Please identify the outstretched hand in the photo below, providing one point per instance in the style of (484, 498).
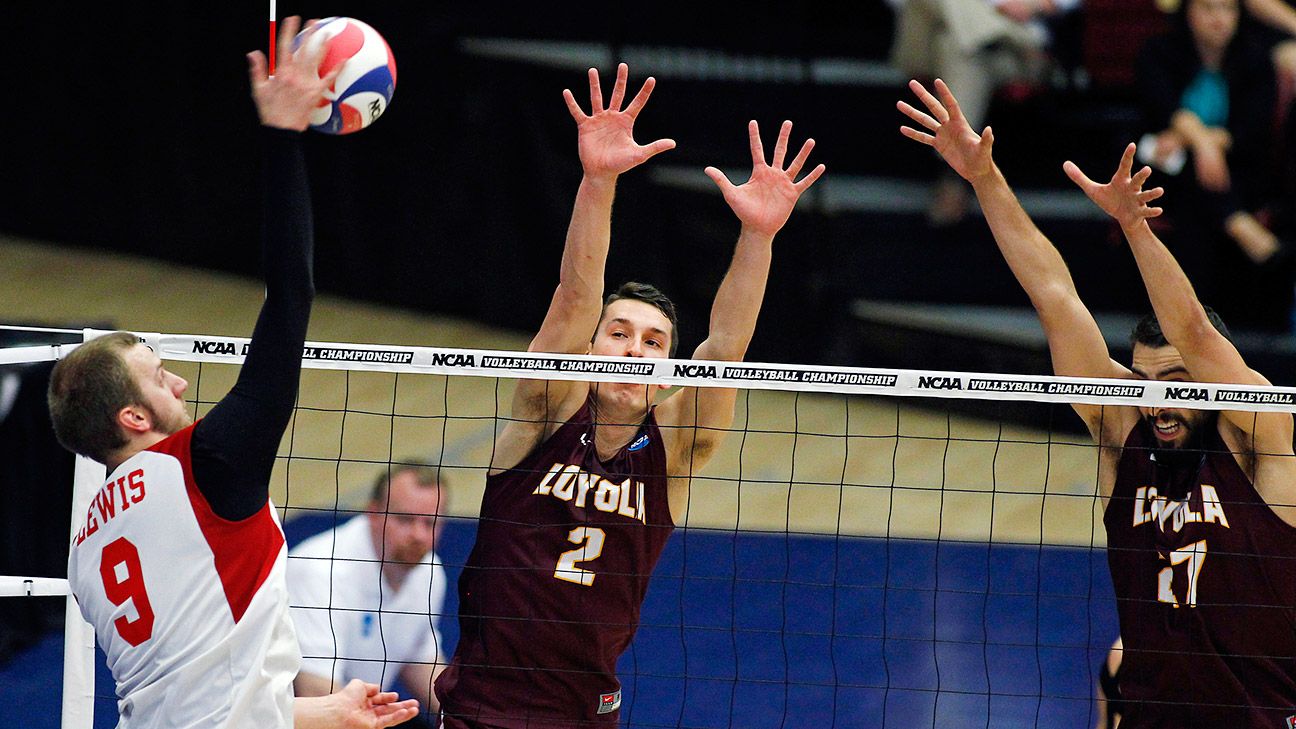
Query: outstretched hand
(766, 200)
(1123, 197)
(363, 706)
(967, 152)
(605, 136)
(286, 99)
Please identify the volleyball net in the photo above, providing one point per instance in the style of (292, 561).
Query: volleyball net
(868, 547)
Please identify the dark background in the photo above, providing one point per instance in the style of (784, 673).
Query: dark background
(129, 128)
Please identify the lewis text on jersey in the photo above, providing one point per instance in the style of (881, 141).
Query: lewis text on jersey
(114, 498)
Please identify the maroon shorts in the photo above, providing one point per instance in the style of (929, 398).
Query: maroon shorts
(462, 722)
(457, 722)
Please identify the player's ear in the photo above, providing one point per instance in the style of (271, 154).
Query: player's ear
(135, 419)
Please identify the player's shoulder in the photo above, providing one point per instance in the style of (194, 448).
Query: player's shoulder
(1115, 427)
(527, 436)
(179, 444)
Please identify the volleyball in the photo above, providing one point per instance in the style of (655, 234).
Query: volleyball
(364, 88)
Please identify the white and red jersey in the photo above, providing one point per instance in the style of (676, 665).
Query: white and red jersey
(191, 609)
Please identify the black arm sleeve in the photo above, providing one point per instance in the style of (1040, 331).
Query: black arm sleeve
(234, 447)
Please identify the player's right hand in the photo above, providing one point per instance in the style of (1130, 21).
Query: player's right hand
(605, 136)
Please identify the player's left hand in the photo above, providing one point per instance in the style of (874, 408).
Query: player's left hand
(969, 154)
(605, 136)
(765, 201)
(1123, 197)
(364, 706)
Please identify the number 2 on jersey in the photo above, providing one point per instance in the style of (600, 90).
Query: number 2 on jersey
(123, 579)
(1195, 555)
(590, 540)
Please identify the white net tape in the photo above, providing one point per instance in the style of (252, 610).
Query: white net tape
(743, 375)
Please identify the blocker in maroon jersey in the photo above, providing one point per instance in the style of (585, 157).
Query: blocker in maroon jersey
(551, 593)
(588, 479)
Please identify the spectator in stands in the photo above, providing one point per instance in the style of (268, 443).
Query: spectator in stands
(1208, 90)
(366, 596)
(1279, 19)
(1277, 30)
(975, 46)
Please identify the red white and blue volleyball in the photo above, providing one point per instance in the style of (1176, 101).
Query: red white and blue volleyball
(364, 88)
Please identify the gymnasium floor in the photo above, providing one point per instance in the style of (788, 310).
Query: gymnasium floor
(846, 562)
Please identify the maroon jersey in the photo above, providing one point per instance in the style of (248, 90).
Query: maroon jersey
(1205, 578)
(551, 593)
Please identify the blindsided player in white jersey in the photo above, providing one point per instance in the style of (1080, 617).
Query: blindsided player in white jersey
(179, 563)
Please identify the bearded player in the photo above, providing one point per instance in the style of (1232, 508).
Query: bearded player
(588, 480)
(1200, 506)
(179, 564)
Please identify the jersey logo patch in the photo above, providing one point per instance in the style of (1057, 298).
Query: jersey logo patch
(584, 438)
(609, 703)
(639, 443)
(1291, 722)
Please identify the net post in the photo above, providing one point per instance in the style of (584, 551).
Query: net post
(78, 669)
(78, 635)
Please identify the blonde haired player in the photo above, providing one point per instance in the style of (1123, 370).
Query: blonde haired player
(179, 563)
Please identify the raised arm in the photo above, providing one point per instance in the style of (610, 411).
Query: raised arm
(763, 204)
(1208, 354)
(605, 141)
(234, 446)
(1075, 342)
